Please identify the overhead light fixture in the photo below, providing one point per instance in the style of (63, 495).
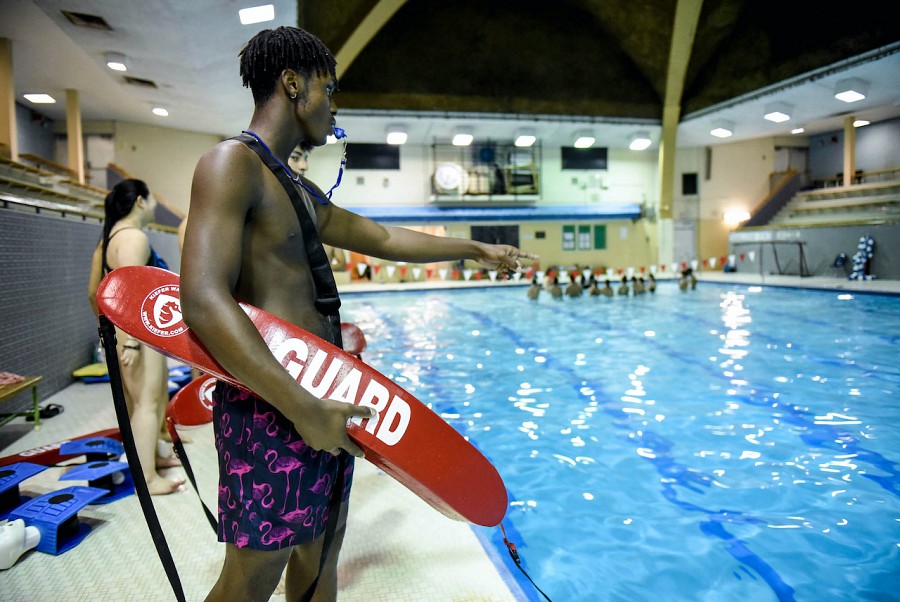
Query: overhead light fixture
(722, 129)
(257, 14)
(39, 99)
(396, 134)
(160, 111)
(584, 140)
(851, 90)
(116, 61)
(640, 141)
(860, 123)
(463, 136)
(797, 131)
(778, 112)
(525, 137)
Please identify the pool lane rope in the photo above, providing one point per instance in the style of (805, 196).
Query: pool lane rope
(864, 253)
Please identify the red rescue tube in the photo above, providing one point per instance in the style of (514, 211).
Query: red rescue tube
(406, 439)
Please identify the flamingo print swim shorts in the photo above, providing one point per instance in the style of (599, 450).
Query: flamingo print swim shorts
(274, 490)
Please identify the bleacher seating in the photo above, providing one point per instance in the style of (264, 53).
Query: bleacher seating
(36, 183)
(866, 203)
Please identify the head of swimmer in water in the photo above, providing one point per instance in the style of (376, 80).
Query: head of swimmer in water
(293, 64)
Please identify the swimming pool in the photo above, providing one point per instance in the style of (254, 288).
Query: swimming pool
(727, 443)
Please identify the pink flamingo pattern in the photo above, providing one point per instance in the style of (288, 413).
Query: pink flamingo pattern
(262, 466)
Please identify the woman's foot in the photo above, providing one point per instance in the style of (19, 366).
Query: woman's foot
(165, 455)
(161, 486)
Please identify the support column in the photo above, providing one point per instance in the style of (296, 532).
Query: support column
(73, 133)
(9, 140)
(849, 150)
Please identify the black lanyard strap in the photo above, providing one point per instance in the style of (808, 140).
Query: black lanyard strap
(327, 300)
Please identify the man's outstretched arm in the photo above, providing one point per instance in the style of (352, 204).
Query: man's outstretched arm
(354, 232)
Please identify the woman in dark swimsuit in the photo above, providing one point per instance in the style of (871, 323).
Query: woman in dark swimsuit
(129, 207)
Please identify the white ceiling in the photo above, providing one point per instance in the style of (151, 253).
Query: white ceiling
(189, 48)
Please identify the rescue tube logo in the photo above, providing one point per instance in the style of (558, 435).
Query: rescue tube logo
(161, 312)
(206, 393)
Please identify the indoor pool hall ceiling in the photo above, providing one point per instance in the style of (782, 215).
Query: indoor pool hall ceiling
(555, 66)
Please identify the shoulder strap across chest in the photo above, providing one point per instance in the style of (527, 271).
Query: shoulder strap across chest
(328, 301)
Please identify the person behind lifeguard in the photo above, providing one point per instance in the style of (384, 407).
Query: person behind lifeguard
(128, 209)
(623, 288)
(245, 243)
(574, 288)
(299, 162)
(534, 290)
(555, 290)
(651, 285)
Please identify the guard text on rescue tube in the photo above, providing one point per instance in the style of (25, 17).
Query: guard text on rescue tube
(345, 385)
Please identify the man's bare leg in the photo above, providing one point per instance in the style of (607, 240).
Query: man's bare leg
(304, 564)
(249, 575)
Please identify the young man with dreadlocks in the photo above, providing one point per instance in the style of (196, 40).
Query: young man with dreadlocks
(255, 235)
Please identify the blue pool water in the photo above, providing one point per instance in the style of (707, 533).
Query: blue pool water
(726, 443)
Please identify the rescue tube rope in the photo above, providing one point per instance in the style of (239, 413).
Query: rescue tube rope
(514, 554)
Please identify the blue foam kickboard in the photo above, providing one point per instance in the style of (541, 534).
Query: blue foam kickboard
(96, 448)
(55, 515)
(102, 475)
(10, 477)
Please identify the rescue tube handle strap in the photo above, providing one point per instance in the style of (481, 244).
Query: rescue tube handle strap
(108, 336)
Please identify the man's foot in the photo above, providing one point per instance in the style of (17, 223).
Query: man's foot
(162, 486)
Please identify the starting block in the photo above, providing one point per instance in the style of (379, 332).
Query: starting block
(113, 477)
(55, 515)
(10, 477)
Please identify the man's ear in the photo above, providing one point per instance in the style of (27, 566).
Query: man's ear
(292, 82)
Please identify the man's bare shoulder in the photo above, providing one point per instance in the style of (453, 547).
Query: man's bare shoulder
(228, 154)
(228, 172)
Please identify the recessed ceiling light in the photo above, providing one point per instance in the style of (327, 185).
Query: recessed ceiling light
(39, 99)
(257, 14)
(797, 131)
(778, 112)
(396, 135)
(851, 90)
(463, 136)
(525, 138)
(722, 129)
(584, 140)
(160, 111)
(116, 61)
(860, 123)
(640, 141)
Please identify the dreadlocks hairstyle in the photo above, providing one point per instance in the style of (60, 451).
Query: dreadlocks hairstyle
(271, 51)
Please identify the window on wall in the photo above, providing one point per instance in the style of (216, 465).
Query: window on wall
(584, 237)
(688, 183)
(568, 238)
(599, 237)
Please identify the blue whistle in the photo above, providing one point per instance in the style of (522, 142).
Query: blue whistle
(339, 132)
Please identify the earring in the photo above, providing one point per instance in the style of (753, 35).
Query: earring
(293, 96)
